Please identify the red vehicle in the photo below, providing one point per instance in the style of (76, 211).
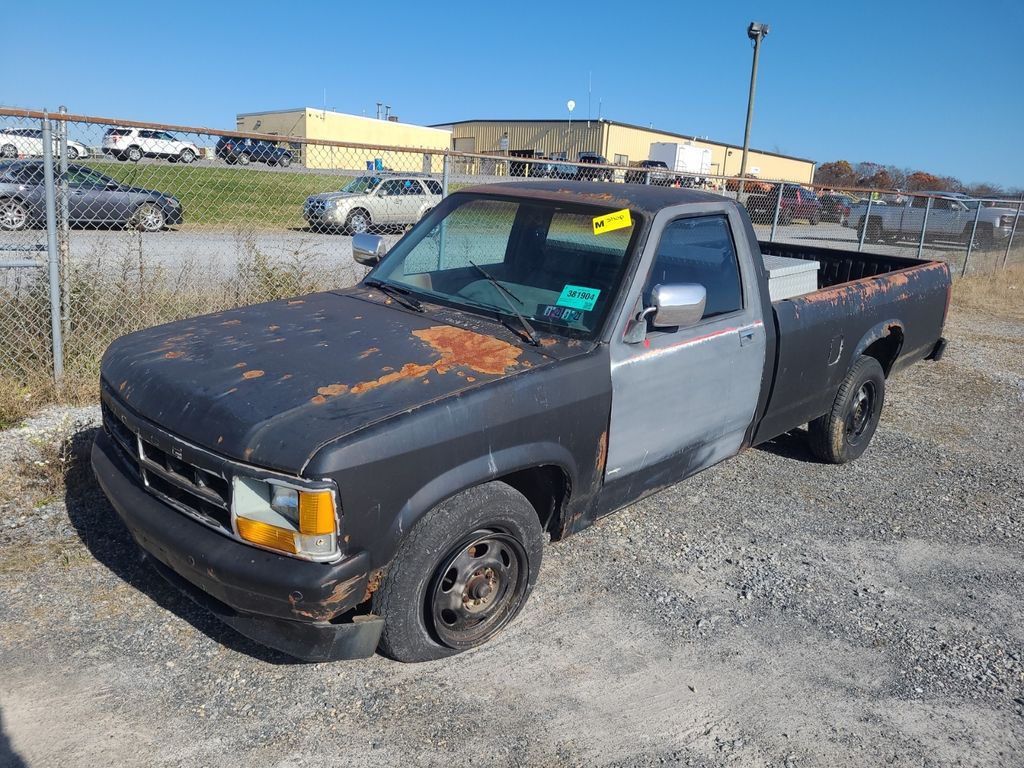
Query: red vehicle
(797, 203)
(836, 207)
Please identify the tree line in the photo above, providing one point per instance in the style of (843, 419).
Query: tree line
(841, 173)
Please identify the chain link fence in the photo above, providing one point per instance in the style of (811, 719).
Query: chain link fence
(153, 223)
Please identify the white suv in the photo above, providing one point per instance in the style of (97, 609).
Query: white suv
(373, 203)
(136, 143)
(28, 142)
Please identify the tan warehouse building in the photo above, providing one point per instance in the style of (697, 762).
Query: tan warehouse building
(325, 125)
(621, 143)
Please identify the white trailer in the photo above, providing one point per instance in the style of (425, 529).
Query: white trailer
(682, 158)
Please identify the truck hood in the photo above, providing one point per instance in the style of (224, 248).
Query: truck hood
(270, 384)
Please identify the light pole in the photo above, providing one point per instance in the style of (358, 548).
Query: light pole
(570, 105)
(756, 32)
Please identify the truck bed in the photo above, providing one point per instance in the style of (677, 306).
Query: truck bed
(888, 306)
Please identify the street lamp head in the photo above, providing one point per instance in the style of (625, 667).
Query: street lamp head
(757, 30)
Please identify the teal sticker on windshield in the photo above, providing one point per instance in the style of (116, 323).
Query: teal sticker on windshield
(578, 297)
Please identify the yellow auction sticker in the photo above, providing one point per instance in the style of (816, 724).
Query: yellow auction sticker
(612, 221)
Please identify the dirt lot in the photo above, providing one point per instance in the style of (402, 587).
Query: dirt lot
(769, 612)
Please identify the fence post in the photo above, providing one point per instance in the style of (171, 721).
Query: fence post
(924, 226)
(970, 243)
(864, 226)
(51, 251)
(1013, 229)
(445, 174)
(64, 223)
(778, 206)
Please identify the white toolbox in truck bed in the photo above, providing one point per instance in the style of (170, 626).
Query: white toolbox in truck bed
(790, 277)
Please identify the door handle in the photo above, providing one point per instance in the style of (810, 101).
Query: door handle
(746, 336)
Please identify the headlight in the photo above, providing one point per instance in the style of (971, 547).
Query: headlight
(173, 202)
(330, 203)
(286, 518)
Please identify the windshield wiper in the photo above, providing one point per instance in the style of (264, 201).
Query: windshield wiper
(505, 293)
(400, 295)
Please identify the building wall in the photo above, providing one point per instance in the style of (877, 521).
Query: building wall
(317, 124)
(546, 136)
(614, 141)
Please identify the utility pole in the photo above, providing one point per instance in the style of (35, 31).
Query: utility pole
(756, 32)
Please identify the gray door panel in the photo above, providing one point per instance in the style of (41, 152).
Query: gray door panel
(685, 396)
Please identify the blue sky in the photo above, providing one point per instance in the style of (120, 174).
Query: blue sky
(926, 85)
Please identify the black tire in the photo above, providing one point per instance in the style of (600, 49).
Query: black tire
(814, 219)
(187, 156)
(72, 153)
(284, 161)
(874, 230)
(487, 538)
(843, 434)
(230, 159)
(13, 215)
(243, 159)
(134, 154)
(984, 237)
(358, 221)
(8, 151)
(785, 218)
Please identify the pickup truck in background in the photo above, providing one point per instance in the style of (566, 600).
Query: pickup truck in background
(950, 218)
(378, 467)
(797, 203)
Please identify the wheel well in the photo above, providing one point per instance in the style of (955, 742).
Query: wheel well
(546, 488)
(886, 349)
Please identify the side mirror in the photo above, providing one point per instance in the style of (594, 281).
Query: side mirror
(677, 305)
(112, 185)
(368, 249)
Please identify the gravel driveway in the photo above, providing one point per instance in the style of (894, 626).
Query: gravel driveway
(771, 611)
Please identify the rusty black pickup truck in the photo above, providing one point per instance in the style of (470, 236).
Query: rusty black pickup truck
(378, 467)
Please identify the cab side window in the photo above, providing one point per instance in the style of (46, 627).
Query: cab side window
(700, 250)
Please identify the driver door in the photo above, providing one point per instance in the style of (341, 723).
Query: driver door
(390, 202)
(683, 398)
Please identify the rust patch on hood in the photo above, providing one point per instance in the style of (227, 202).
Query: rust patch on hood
(252, 374)
(333, 390)
(367, 353)
(174, 355)
(465, 349)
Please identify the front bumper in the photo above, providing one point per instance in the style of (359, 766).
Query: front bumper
(325, 216)
(295, 606)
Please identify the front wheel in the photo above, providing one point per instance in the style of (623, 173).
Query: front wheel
(284, 161)
(148, 217)
(463, 573)
(358, 222)
(8, 151)
(187, 156)
(72, 153)
(243, 159)
(13, 215)
(843, 434)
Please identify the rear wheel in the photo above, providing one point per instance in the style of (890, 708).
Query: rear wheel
(843, 434)
(814, 218)
(284, 161)
(134, 154)
(13, 215)
(243, 159)
(72, 153)
(187, 156)
(462, 574)
(785, 218)
(8, 151)
(984, 237)
(873, 234)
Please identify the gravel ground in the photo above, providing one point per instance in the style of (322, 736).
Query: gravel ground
(770, 612)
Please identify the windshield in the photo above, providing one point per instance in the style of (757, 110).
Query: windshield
(361, 185)
(563, 276)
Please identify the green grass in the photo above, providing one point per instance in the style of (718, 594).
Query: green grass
(228, 197)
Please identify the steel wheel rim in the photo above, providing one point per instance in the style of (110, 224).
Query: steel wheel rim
(134, 155)
(860, 413)
(8, 150)
(150, 218)
(12, 215)
(478, 588)
(72, 153)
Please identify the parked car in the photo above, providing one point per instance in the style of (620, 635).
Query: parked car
(243, 151)
(378, 466)
(94, 199)
(136, 143)
(586, 172)
(797, 203)
(373, 202)
(835, 207)
(949, 218)
(651, 172)
(17, 142)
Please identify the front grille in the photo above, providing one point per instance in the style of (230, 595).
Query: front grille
(200, 492)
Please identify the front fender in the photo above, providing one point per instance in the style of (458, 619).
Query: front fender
(480, 470)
